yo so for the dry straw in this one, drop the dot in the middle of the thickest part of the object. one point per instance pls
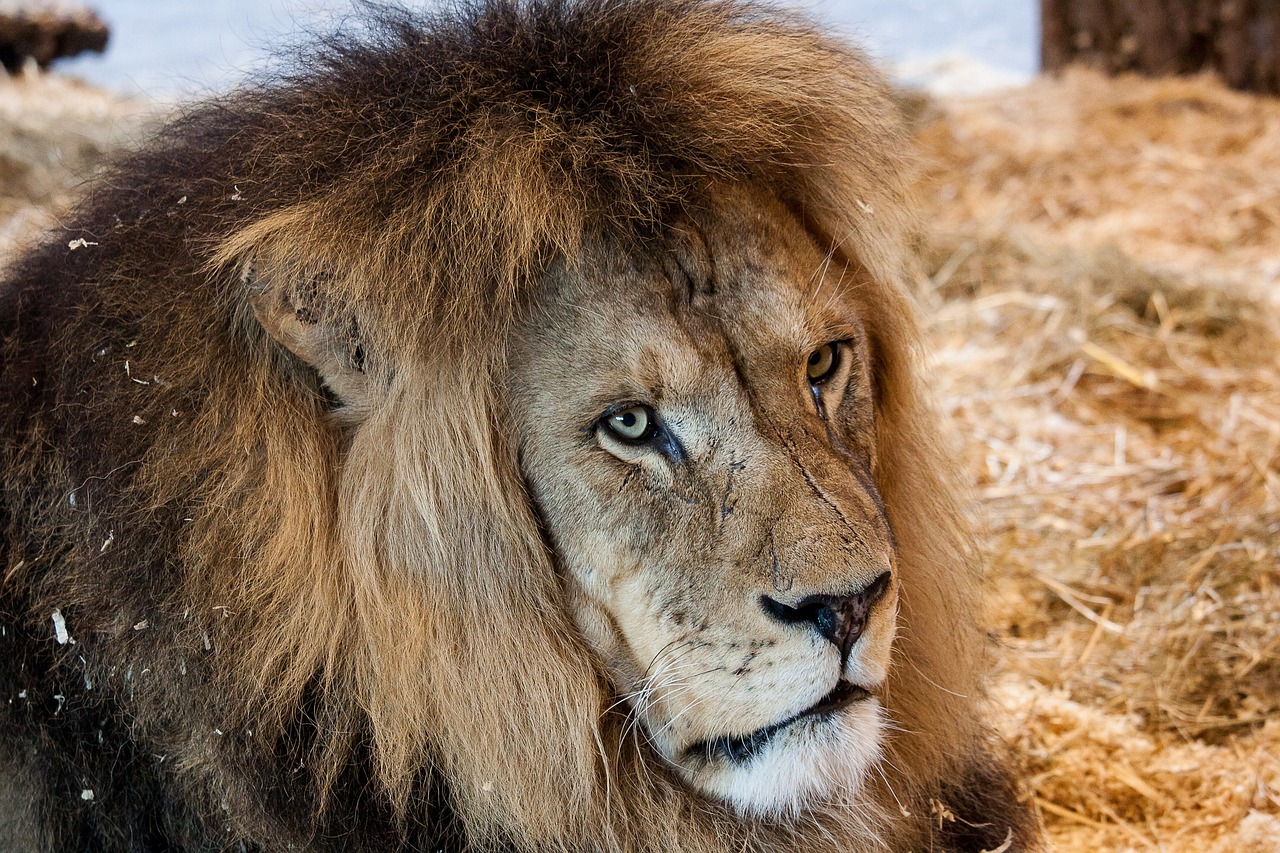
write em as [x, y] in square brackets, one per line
[1102, 266]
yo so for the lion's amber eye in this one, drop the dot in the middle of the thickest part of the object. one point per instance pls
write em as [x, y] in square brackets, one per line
[823, 363]
[632, 424]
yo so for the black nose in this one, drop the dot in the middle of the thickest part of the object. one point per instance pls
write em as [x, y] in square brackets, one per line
[839, 618]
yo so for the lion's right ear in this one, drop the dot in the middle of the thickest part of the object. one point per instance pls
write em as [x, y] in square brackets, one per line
[294, 310]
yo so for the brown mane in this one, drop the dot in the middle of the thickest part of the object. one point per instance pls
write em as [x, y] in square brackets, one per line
[383, 597]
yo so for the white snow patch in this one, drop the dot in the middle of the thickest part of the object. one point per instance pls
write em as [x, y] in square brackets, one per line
[956, 75]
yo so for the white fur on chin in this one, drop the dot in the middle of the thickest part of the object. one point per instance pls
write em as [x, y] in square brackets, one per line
[810, 762]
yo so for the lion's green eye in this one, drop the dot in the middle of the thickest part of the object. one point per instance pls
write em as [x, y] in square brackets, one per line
[632, 424]
[823, 363]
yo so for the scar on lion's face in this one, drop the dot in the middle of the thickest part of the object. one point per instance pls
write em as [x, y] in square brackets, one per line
[704, 462]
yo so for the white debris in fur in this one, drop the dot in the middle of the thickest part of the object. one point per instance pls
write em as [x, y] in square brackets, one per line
[60, 628]
[87, 795]
[128, 371]
[79, 244]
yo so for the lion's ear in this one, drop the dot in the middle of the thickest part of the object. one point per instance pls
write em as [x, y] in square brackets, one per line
[294, 310]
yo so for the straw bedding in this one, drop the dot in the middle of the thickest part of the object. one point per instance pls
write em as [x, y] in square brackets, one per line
[1103, 262]
[1103, 267]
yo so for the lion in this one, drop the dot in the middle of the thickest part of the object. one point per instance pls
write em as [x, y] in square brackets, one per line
[494, 430]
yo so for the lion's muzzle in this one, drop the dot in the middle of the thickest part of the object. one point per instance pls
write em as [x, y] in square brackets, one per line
[840, 618]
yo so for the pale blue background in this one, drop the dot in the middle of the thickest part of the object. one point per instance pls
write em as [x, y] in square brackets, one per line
[180, 47]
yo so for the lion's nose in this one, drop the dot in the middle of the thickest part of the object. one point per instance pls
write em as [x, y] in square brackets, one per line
[839, 618]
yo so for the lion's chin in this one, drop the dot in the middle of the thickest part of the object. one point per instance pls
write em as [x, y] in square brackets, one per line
[814, 760]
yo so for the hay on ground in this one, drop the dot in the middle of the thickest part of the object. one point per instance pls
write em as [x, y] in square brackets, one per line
[1102, 266]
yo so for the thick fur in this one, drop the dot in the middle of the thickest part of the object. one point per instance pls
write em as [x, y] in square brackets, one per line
[287, 626]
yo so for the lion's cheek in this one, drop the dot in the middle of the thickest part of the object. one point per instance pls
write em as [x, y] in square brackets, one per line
[593, 566]
[614, 607]
[635, 610]
[596, 626]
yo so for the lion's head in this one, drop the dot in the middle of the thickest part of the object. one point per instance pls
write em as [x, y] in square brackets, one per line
[696, 425]
[516, 419]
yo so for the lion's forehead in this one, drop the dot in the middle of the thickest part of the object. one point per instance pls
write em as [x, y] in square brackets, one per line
[639, 327]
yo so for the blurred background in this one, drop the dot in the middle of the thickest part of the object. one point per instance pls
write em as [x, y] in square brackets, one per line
[183, 47]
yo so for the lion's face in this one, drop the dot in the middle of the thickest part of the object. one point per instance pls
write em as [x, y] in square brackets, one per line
[697, 429]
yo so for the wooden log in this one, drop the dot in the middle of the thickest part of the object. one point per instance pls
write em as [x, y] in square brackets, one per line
[1237, 39]
[45, 31]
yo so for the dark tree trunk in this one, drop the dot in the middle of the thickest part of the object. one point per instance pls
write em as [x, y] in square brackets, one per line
[1238, 39]
[45, 30]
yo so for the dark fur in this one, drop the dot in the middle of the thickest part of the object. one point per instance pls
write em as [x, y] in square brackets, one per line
[132, 381]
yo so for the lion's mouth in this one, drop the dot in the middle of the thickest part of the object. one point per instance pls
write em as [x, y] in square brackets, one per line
[742, 748]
